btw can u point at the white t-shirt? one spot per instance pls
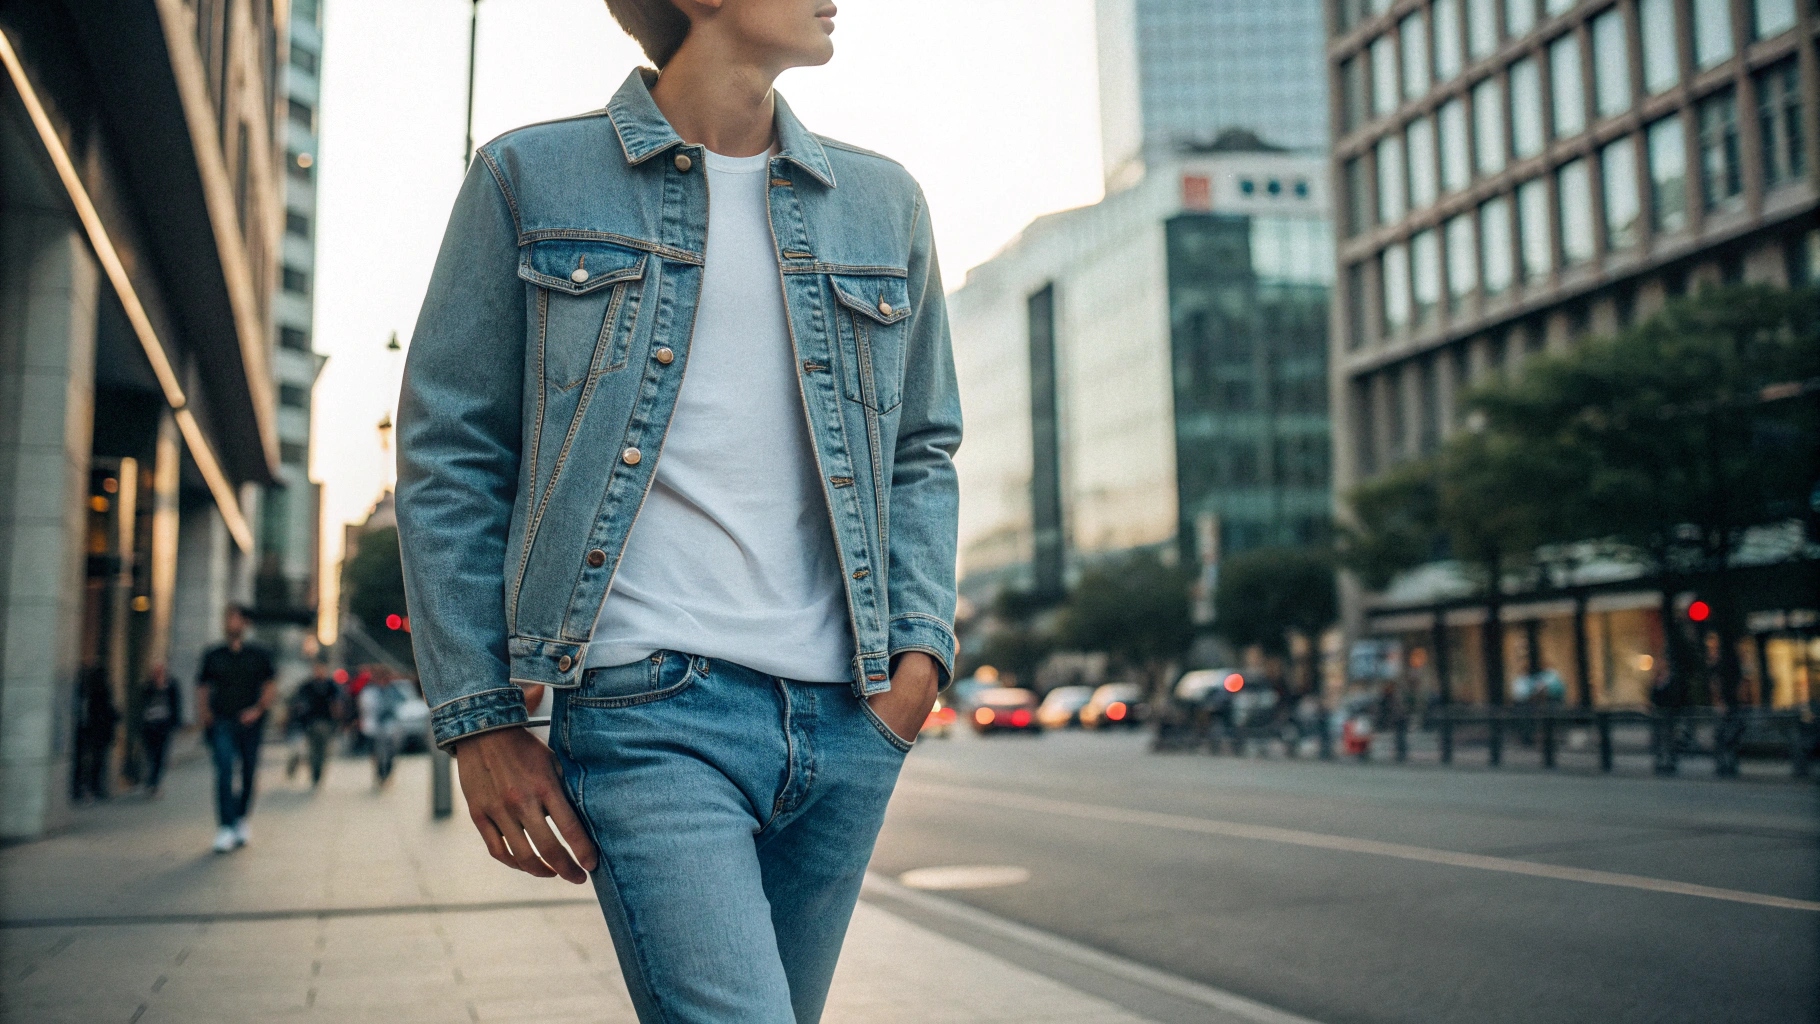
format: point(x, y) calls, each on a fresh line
point(732, 555)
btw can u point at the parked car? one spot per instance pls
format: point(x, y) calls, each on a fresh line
point(940, 721)
point(1114, 704)
point(1007, 708)
point(1062, 706)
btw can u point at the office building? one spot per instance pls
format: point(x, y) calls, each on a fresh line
point(139, 232)
point(1513, 175)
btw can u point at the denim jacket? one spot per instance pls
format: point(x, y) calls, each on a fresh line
point(545, 367)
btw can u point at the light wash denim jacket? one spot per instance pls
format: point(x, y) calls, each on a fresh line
point(546, 363)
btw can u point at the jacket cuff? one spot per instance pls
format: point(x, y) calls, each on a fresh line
point(915, 631)
point(478, 713)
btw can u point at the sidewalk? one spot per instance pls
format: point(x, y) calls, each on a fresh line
point(351, 905)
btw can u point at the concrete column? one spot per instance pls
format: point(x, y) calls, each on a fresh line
point(204, 587)
point(49, 286)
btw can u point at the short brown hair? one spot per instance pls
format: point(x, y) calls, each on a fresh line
point(658, 26)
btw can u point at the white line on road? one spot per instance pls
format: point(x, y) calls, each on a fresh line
point(1238, 1007)
point(1349, 844)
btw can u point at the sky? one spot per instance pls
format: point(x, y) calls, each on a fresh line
point(991, 104)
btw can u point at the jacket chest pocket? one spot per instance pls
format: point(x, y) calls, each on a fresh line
point(587, 295)
point(872, 318)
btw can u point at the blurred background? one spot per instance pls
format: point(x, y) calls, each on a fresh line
point(1388, 422)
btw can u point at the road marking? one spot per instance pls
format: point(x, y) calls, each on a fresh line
point(1349, 844)
point(1237, 1006)
point(965, 876)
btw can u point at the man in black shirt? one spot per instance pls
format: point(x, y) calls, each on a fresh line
point(237, 686)
point(316, 709)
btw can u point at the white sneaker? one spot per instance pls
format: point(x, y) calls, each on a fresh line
point(224, 839)
point(242, 833)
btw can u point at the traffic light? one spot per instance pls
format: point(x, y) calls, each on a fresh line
point(394, 622)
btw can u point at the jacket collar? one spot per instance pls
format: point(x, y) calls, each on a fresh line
point(644, 132)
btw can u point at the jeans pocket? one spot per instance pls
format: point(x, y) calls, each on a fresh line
point(664, 674)
point(890, 735)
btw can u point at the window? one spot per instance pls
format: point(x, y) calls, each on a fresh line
point(1720, 180)
point(1393, 197)
point(1355, 304)
point(1772, 17)
point(1554, 7)
point(1661, 61)
point(1488, 126)
point(1393, 272)
point(1526, 108)
point(1569, 91)
point(295, 396)
point(1623, 207)
point(1413, 31)
point(1712, 32)
point(1611, 64)
point(1532, 230)
point(1462, 259)
point(302, 115)
point(1519, 17)
point(1448, 59)
point(1383, 75)
point(1456, 168)
point(296, 281)
point(1422, 187)
point(1667, 175)
point(296, 224)
point(1355, 98)
point(1481, 27)
point(1779, 122)
point(1358, 197)
point(1425, 249)
point(1494, 242)
point(294, 338)
point(1573, 182)
point(303, 59)
point(292, 453)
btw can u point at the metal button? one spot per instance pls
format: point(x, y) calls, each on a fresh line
point(563, 663)
point(631, 456)
point(580, 276)
point(884, 307)
point(597, 558)
point(683, 163)
point(664, 355)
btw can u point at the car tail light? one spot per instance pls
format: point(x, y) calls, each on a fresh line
point(1116, 711)
point(947, 715)
point(984, 716)
point(1020, 718)
point(1235, 683)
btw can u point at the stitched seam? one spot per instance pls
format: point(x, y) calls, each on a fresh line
point(600, 339)
point(777, 808)
point(505, 190)
point(634, 699)
point(851, 269)
point(630, 242)
point(470, 696)
point(524, 556)
point(903, 745)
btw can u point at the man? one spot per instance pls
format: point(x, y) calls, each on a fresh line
point(380, 702)
point(739, 580)
point(237, 686)
point(316, 711)
point(160, 712)
point(96, 719)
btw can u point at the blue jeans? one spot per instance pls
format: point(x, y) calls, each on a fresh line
point(230, 741)
point(735, 813)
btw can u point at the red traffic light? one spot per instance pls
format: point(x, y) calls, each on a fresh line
point(1699, 611)
point(341, 676)
point(394, 621)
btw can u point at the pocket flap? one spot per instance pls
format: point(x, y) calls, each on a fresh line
point(577, 267)
point(884, 299)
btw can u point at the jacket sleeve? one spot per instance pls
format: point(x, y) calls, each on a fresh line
point(925, 495)
point(459, 431)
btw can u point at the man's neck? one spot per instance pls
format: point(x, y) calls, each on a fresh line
point(713, 98)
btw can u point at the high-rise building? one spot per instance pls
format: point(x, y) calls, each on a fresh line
point(285, 587)
point(1175, 74)
point(1514, 175)
point(139, 230)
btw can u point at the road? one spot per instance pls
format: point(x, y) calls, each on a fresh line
point(1338, 891)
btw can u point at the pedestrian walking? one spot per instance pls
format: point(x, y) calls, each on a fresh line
point(96, 719)
point(160, 712)
point(380, 703)
point(739, 580)
point(316, 710)
point(237, 686)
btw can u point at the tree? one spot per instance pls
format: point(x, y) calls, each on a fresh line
point(1135, 609)
point(1267, 594)
point(374, 581)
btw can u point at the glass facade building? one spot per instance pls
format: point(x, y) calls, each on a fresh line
point(1178, 73)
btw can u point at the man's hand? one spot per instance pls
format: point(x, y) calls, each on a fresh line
point(251, 715)
point(905, 707)
point(510, 782)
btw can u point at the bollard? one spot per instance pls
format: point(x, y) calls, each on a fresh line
point(1604, 718)
point(1799, 745)
point(442, 789)
point(1402, 739)
point(1496, 722)
point(1326, 737)
point(1548, 741)
point(1447, 739)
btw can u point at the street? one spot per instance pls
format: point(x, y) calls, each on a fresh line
point(1312, 921)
